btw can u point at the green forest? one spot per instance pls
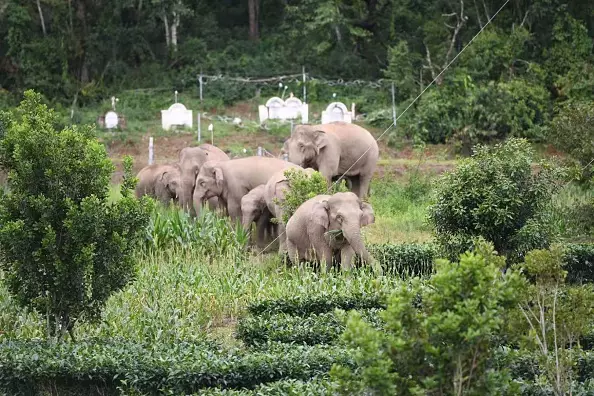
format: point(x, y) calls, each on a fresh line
point(530, 58)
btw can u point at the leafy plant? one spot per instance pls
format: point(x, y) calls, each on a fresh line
point(303, 187)
point(495, 195)
point(65, 248)
point(438, 337)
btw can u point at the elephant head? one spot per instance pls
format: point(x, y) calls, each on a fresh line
point(191, 160)
point(168, 185)
point(209, 184)
point(253, 205)
point(347, 213)
point(305, 145)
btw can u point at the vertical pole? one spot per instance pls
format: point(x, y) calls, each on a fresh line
point(304, 88)
point(200, 82)
point(211, 129)
point(199, 127)
point(151, 158)
point(393, 105)
point(286, 156)
point(291, 128)
point(259, 151)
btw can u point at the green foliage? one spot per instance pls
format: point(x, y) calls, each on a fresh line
point(572, 131)
point(579, 262)
point(495, 195)
point(180, 368)
point(316, 386)
point(406, 260)
point(557, 317)
point(303, 187)
point(313, 329)
point(209, 233)
point(439, 336)
point(65, 249)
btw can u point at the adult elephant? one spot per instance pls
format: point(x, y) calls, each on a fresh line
point(231, 180)
point(335, 149)
point(274, 195)
point(191, 160)
point(160, 181)
point(313, 230)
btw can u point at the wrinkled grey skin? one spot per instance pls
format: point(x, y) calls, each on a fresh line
point(160, 181)
point(307, 228)
point(231, 180)
point(191, 160)
point(335, 149)
point(274, 195)
point(254, 209)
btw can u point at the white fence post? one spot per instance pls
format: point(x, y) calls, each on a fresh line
point(199, 127)
point(393, 105)
point(211, 129)
point(151, 158)
point(259, 151)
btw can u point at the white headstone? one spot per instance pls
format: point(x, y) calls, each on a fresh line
point(177, 114)
point(111, 120)
point(278, 109)
point(336, 111)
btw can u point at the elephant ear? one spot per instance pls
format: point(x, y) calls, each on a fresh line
point(367, 217)
point(320, 139)
point(218, 174)
point(319, 214)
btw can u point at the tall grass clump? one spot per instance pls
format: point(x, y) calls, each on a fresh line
point(208, 233)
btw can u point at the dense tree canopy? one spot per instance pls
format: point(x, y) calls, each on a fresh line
point(535, 53)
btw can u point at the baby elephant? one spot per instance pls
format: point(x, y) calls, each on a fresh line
point(160, 181)
point(253, 208)
point(326, 224)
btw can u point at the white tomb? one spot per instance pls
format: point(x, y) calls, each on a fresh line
point(111, 120)
point(176, 114)
point(278, 109)
point(337, 111)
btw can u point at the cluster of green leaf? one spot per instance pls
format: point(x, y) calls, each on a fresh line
point(30, 367)
point(406, 260)
point(209, 232)
point(65, 248)
point(303, 187)
point(314, 329)
point(496, 195)
point(317, 386)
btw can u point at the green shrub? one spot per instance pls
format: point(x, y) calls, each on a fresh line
point(304, 305)
point(208, 233)
point(579, 262)
point(65, 248)
point(303, 187)
point(495, 195)
point(314, 329)
point(439, 336)
point(572, 131)
point(407, 259)
point(317, 386)
point(180, 368)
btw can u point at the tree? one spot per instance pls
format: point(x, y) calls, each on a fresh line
point(439, 336)
point(63, 247)
point(495, 195)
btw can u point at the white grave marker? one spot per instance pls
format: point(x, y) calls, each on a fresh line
point(111, 120)
point(176, 114)
point(278, 109)
point(337, 111)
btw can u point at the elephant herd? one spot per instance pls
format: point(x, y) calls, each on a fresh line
point(250, 190)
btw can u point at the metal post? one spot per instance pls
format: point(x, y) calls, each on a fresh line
point(200, 82)
point(151, 158)
point(291, 127)
point(285, 156)
point(393, 105)
point(304, 88)
point(199, 127)
point(259, 151)
point(211, 129)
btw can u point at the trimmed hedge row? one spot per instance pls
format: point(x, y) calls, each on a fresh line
point(315, 329)
point(317, 386)
point(302, 305)
point(29, 367)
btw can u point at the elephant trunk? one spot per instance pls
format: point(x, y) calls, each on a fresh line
point(352, 233)
point(198, 201)
point(185, 196)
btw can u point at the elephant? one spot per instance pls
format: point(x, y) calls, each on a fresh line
point(191, 160)
point(274, 194)
point(231, 180)
point(254, 208)
point(160, 181)
point(335, 149)
point(308, 236)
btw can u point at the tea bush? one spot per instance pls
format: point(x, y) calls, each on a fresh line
point(406, 259)
point(65, 247)
point(495, 195)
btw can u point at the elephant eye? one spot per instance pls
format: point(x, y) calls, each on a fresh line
point(339, 218)
point(202, 184)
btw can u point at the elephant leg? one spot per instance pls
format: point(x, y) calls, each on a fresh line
point(356, 185)
point(293, 252)
point(323, 253)
point(346, 257)
point(364, 183)
point(261, 227)
point(282, 239)
point(213, 204)
point(234, 210)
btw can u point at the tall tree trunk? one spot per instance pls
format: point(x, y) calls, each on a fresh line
point(166, 22)
point(41, 18)
point(174, 27)
point(254, 11)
